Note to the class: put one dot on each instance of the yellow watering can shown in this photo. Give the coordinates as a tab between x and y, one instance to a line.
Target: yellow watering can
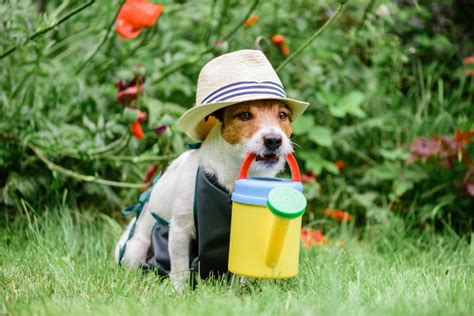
266	224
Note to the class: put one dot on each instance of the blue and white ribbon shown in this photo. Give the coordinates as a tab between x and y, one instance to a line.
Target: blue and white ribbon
244	88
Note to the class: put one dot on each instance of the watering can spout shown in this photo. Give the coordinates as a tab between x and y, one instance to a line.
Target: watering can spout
276	241
286	204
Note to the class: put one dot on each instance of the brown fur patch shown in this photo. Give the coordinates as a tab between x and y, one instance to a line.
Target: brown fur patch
235	128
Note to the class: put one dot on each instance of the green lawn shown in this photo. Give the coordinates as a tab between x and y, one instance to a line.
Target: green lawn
62	264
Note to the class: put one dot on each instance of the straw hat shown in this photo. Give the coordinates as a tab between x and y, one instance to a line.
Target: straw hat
232	78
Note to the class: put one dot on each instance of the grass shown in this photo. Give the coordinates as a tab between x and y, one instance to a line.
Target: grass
60	263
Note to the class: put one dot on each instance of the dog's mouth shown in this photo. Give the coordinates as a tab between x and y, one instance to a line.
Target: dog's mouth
268	158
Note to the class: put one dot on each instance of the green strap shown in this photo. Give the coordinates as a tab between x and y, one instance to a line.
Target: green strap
136	208
194	146
159	220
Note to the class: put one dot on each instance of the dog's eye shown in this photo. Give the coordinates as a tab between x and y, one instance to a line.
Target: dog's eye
282	115
245	116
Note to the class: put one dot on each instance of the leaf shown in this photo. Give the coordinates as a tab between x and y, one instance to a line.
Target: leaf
313	161
88	123
312	190
351	103
394	154
337	111
321	135
366	199
316	163
331	167
348	104
303	125
379	214
384	172
101	122
415	173
400	187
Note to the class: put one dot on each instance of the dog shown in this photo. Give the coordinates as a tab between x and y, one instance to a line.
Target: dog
241	107
262	127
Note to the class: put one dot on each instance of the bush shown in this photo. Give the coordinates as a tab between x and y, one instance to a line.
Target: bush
382	75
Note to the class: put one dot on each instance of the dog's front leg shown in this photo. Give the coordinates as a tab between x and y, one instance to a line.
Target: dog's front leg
180	236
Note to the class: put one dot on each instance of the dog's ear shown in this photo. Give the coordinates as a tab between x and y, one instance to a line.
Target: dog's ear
219	114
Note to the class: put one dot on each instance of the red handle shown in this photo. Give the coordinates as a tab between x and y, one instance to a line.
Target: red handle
290	158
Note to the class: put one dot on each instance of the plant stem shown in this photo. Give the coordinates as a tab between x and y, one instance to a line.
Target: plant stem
222	18
99	153
312	38
137	159
208	49
368	8
104	39
114	146
47	29
241	22
54	167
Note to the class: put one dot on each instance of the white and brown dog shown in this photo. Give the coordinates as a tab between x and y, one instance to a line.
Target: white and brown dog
254	118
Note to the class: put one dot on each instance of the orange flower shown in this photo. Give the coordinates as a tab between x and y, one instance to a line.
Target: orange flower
136	14
278	39
340	164
468	60
311	237
338	215
251	21
136	129
469	72
284	49
463	137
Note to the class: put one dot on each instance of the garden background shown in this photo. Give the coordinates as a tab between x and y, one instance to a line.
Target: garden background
89	105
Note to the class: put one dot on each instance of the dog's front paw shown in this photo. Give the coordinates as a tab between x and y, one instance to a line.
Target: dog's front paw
136	250
180	281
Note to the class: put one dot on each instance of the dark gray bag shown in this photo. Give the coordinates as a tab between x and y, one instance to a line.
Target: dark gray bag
212	215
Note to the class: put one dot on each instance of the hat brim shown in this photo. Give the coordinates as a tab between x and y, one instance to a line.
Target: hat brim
193	124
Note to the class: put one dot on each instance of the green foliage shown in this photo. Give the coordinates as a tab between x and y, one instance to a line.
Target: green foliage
375	82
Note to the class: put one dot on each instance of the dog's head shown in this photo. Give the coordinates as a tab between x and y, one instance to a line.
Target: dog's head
262	127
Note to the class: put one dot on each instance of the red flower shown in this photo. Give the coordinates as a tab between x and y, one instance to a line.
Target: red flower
128	91
311	237
136	14
251	21
161	129
150	173
340	164
136	129
309	176
338	215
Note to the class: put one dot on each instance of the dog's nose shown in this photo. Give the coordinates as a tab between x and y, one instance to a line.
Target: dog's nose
272	141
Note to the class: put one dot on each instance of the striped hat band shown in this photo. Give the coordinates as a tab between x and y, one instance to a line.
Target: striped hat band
244	88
